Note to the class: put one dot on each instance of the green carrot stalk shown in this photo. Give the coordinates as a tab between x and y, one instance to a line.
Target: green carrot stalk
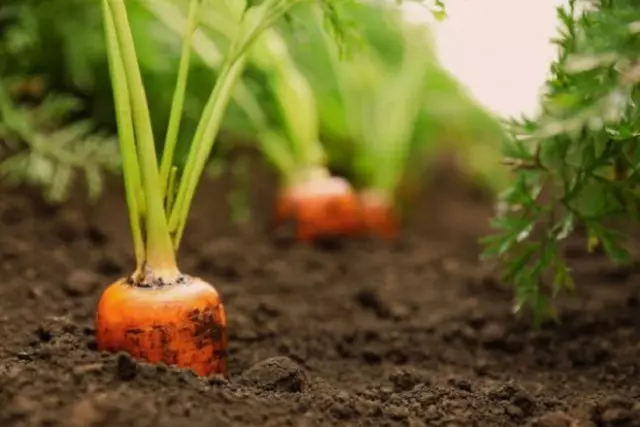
133	187
294	95
177	103
393	115
299	149
203	143
254	22
168	194
159	250
171	15
383	103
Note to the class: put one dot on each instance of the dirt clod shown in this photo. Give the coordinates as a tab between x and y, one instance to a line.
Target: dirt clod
126	367
275	374
80	282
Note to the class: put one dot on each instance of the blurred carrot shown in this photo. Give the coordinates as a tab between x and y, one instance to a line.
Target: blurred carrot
383	102
320	206
378	215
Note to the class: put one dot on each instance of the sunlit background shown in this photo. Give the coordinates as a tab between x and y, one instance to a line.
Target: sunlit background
499	49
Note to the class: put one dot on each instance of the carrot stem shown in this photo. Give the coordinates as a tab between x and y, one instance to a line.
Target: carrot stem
254	21
299	149
126	137
177	103
275	147
399	104
217	18
201	147
160	255
165	225
295	98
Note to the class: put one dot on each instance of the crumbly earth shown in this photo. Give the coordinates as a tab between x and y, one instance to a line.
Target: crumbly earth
412	333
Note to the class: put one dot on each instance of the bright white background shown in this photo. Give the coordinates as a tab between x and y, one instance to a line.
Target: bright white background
499	49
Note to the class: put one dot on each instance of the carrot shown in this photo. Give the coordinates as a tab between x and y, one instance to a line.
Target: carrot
382	102
324	206
378	215
159	314
320	205
182	324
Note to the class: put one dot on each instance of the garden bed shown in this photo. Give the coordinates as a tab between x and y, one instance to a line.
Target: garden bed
415	333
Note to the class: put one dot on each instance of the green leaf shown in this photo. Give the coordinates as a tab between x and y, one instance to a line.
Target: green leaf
592	199
519	262
565	226
562	278
611	241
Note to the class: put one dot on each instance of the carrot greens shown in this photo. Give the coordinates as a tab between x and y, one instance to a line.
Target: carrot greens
295	149
382	100
159	197
175	318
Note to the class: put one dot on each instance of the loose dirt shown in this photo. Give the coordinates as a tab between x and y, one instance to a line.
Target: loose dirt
365	333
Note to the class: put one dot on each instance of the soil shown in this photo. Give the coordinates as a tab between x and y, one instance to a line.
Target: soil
413	333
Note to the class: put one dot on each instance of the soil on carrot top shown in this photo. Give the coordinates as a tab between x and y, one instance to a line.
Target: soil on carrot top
364	333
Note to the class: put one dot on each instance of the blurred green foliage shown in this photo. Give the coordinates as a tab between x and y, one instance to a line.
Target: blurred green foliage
44	146
69	54
448	118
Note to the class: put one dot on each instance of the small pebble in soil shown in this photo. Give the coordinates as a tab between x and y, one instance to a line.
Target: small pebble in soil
496	336
96	235
369	299
276	374
109	266
492	334
407	379
502	392
126	367
217	380
79	283
461	384
53	327
396	412
521	404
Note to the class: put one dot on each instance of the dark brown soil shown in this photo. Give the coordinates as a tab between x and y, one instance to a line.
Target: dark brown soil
415	333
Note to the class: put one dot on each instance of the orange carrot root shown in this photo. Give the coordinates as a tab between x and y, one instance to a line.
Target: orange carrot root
322	207
378	215
181	324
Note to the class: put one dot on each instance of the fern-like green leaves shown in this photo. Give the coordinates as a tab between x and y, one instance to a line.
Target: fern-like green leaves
38	146
577	163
